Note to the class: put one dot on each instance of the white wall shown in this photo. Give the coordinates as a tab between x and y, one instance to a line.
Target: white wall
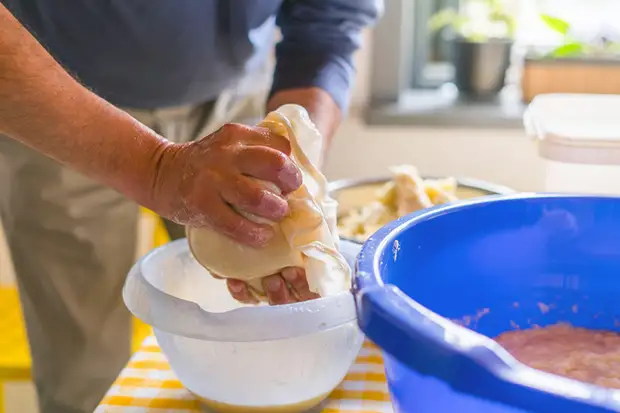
502	156
505	157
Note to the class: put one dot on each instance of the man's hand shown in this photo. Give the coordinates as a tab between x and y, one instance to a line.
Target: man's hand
200	183
210	182
289	286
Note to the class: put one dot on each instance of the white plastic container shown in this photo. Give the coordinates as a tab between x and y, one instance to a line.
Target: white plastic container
243	358
579	140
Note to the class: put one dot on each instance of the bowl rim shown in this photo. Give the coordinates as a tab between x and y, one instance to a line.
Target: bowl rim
243	324
389	318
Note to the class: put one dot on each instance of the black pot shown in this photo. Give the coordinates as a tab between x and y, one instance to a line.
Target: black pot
480	68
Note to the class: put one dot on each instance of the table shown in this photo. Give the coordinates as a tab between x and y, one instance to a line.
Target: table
148	385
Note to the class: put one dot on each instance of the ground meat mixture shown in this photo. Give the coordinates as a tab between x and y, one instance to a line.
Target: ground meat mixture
591	356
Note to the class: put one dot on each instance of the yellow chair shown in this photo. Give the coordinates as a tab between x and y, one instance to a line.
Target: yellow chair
14	351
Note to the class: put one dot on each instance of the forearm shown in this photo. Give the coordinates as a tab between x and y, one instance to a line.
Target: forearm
46	109
315	57
322	109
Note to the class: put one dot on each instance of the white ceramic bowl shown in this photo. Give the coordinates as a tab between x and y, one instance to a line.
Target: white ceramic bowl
242	355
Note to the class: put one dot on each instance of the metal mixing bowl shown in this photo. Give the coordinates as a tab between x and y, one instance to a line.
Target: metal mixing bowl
355	193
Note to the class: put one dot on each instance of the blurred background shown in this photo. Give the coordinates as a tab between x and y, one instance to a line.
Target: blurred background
443	85
407	109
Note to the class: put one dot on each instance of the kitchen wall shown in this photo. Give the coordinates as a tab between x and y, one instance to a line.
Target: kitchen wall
501	156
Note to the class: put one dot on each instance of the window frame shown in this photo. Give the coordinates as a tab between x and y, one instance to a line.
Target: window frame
392	67
402	67
392	99
427	74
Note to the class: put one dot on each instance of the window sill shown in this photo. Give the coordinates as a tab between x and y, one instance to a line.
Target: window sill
443	108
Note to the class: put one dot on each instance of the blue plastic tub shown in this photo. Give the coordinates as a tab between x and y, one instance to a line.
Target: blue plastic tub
494	264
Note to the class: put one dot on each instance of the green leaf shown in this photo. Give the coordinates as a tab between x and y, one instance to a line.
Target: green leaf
556	24
477	38
495	4
442	19
507	19
613	48
458	24
569	49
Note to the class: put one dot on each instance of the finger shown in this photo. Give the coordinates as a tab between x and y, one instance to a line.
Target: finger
296	278
248	195
265	137
240	291
277	290
255	136
216	276
223	219
270	165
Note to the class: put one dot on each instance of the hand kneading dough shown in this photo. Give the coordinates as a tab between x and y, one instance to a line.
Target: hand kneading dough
307	238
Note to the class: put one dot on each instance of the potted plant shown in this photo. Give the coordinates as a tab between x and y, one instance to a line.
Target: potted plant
481	33
579	64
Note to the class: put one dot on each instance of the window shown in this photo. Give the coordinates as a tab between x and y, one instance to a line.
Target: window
431	54
411	70
587	17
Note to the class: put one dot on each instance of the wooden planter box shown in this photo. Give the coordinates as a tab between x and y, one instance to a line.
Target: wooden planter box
570	75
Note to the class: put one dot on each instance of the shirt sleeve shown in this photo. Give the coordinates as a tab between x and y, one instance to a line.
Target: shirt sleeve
319	38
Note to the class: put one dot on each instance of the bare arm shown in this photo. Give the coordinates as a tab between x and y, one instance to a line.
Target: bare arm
197	183
45	108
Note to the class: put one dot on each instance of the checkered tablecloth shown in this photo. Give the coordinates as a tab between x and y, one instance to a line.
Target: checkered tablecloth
148	385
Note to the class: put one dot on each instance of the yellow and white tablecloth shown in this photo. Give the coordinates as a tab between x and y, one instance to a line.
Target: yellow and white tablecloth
147	385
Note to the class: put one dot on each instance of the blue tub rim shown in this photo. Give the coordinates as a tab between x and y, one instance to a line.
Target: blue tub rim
390	318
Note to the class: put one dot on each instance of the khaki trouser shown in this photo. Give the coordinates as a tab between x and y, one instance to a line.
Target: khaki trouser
72	242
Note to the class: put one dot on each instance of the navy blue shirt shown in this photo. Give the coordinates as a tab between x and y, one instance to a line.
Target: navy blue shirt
160	53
